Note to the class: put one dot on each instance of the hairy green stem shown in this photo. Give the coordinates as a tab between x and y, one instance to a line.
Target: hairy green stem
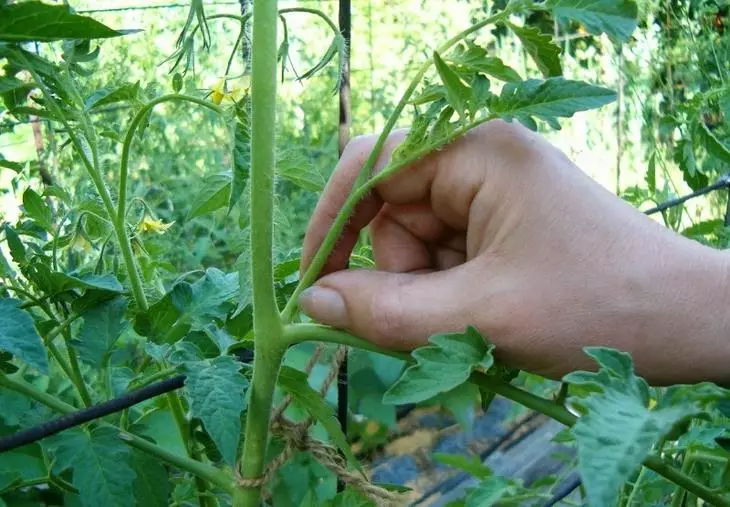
213	475
267	362
267	326
118	218
296	333
76	377
320	257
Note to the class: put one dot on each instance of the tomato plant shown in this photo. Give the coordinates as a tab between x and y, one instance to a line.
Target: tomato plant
86	320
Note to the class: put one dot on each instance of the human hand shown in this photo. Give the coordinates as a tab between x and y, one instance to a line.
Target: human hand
501	231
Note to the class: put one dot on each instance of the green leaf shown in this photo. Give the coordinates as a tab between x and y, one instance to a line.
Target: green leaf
10	83
209	295
651	172
616	18
298	169
213	195
713	145
541	48
37	209
101	464
489	492
473	466
470	57
102	326
441	367
457	93
548	99
296	384
36	21
20	465
177	82
106	96
216	392
19	337
152	487
55	282
17	250
618	430
241	158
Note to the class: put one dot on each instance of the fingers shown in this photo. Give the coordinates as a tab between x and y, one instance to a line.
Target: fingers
335	194
394	310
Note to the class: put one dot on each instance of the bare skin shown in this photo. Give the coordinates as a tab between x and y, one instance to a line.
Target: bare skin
502	231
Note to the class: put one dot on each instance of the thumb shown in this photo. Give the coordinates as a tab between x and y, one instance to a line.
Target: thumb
393	310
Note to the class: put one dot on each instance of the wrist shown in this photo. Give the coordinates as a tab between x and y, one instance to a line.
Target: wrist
688	316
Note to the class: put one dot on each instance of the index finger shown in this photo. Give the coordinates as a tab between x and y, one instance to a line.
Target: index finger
410	184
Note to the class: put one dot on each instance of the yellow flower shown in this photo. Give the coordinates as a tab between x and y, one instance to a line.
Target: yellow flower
234	95
80	242
150	224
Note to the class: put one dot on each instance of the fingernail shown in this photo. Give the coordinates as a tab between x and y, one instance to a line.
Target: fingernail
325	305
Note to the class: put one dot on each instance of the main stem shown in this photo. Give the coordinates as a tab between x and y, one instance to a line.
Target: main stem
268	329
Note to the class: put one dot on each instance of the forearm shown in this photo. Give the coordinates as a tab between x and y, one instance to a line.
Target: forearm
688	317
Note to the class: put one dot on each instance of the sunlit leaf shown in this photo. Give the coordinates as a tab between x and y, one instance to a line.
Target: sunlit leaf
541	48
457	93
616	18
37	209
38	21
548	99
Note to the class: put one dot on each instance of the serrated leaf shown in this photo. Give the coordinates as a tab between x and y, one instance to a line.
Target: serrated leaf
37	21
37	209
618	430
489	492
541	48
301	172
296	384
713	145
102	326
216	391
441	367
19	337
17	250
152	487
616	18
548	99
213	195
101	464
651	172
472	466
106	96
457	93
470	57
